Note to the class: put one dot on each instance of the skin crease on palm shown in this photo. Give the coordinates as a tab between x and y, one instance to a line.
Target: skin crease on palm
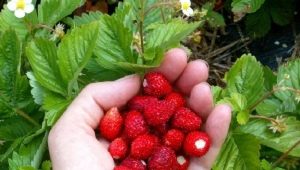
72	141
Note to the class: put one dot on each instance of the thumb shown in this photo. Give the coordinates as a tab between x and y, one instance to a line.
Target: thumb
87	108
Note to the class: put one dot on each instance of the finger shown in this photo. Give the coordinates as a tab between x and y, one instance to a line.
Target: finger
87	108
216	126
195	72
174	63
201	100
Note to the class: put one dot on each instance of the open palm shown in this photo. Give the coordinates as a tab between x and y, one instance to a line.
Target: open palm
72	141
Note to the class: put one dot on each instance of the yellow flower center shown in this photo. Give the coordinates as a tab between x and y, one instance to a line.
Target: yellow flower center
20	4
185	5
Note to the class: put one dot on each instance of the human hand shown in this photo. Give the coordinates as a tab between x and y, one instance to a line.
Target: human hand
72	141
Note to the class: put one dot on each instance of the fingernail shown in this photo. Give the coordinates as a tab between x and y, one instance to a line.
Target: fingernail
206	63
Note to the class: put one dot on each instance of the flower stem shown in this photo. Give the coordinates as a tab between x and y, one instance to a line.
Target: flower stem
263	117
27	117
141	27
285	154
275	89
251	108
159	4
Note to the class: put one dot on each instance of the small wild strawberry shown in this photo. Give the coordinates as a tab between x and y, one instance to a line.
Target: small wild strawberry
174	139
186	120
196	144
135	124
182	163
156	84
118	148
163	158
143	146
176	99
111	124
134	164
121	167
158	113
139	102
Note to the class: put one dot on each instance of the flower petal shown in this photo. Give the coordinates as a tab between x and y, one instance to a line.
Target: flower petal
186	1
28	1
190	11
19	13
12	6
29	8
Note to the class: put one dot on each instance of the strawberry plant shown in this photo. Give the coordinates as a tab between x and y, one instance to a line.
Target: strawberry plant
47	56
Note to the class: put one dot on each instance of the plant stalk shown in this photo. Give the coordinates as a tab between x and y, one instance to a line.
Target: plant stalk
285	154
27	117
141	27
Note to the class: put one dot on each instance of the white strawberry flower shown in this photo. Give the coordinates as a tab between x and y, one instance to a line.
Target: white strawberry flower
20	7
186	8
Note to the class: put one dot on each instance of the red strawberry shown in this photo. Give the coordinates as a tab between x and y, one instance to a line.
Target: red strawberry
163	158
158	113
182	163
122	168
186	120
161	130
176	99
139	102
156	84
143	146
174	139
134	164
135	124
196	144
118	148
111	124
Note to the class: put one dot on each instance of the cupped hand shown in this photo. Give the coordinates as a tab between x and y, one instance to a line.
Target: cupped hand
72	141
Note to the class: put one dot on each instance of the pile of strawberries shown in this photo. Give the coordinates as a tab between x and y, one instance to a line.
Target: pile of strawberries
156	131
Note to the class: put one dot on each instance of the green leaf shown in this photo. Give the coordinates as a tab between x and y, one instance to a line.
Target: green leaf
75	51
10	58
166	36
30	154
269	107
217	93
289	77
213	18
258	24
13	128
118	49
95	72
243	117
246	6
157	15
46	165
240	151
41	54
37	90
246	77
14	88
52	11
270	78
85	18
237	101
280	142
8	20
13	146
54	105
282	11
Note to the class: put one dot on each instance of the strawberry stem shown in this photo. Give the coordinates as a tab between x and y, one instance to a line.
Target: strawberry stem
285	154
